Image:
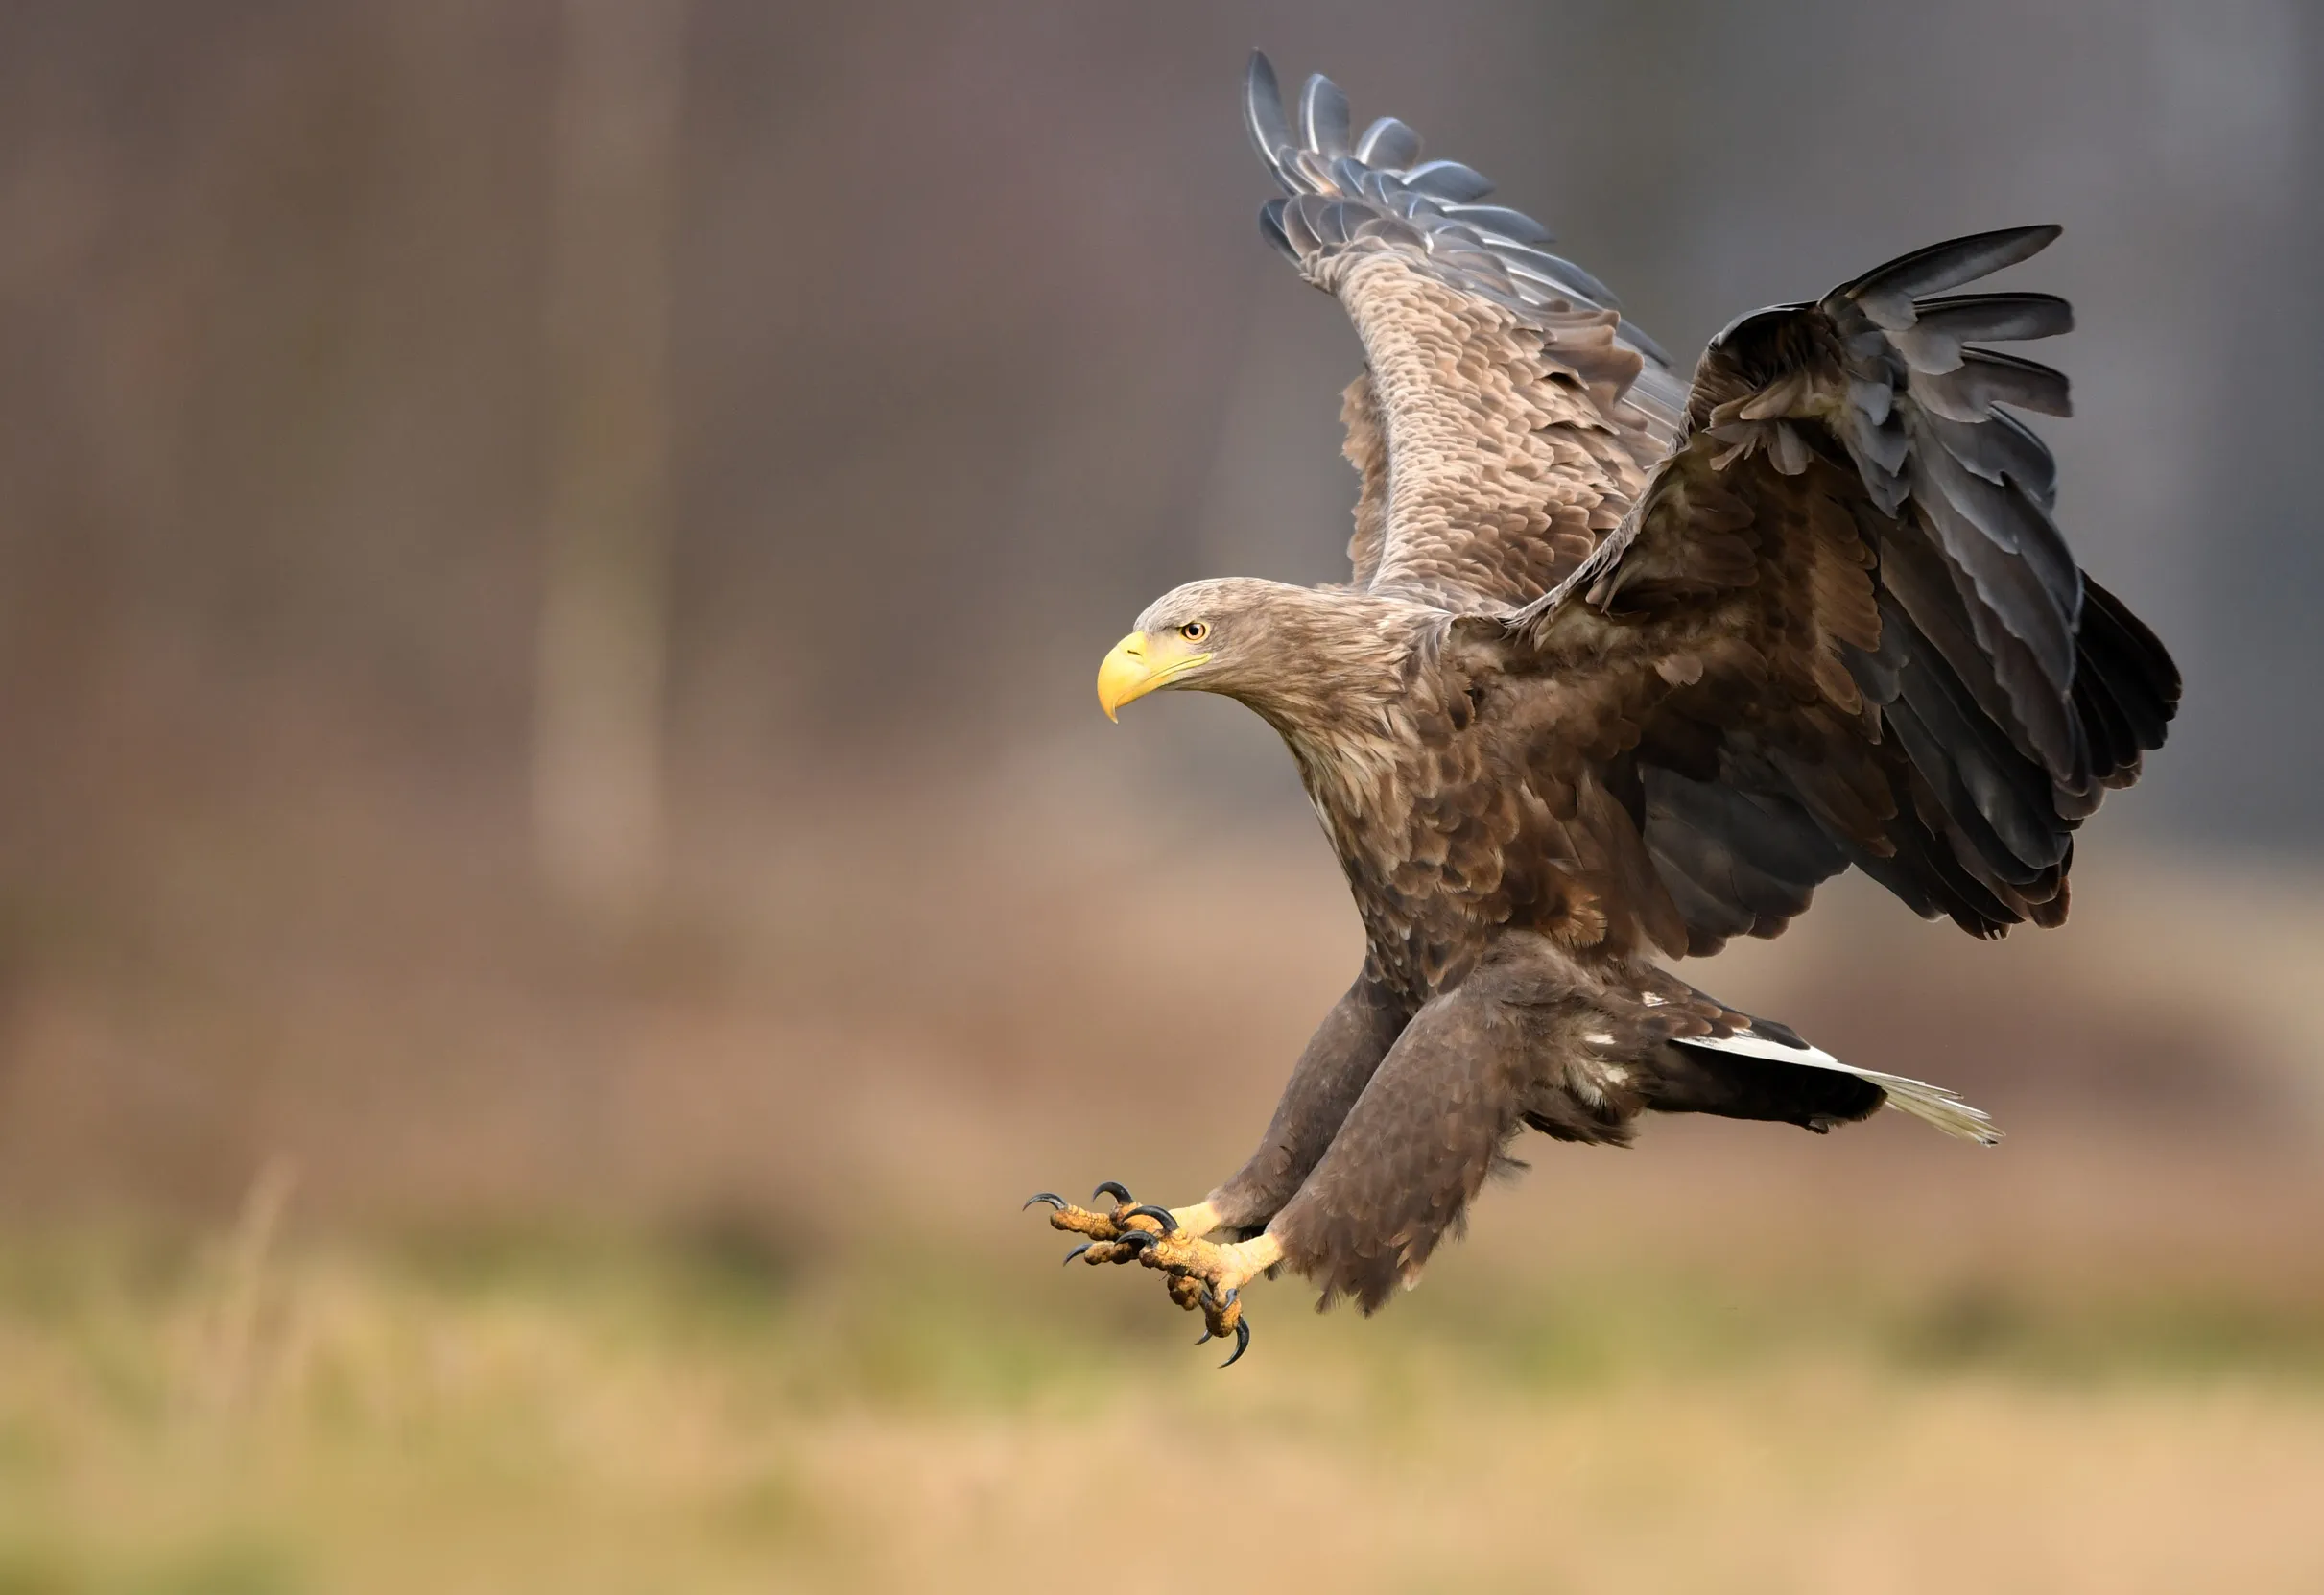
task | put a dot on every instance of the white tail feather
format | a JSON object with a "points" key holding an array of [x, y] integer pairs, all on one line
{"points": [[1930, 1104]]}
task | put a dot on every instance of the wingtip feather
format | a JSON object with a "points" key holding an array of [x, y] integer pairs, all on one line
{"points": [[1263, 111]]}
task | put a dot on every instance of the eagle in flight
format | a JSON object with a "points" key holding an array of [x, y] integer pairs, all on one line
{"points": [[1627, 665]]}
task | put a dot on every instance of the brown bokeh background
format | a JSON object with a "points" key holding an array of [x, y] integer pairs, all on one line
{"points": [[551, 558]]}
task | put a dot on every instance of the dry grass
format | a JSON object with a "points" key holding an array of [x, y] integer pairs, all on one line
{"points": [[689, 1412]]}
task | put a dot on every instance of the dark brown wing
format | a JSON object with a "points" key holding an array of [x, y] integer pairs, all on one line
{"points": [[1506, 413], [1840, 627]]}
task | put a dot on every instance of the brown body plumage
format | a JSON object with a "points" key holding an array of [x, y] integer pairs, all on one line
{"points": [[1626, 668]]}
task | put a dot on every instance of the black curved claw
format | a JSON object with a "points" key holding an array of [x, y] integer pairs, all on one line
{"points": [[1204, 1340], [1161, 1215], [1113, 1188], [1137, 1239], [1078, 1251], [1243, 1342], [1051, 1197]]}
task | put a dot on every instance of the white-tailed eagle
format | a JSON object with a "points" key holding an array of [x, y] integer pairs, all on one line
{"points": [[1629, 665]]}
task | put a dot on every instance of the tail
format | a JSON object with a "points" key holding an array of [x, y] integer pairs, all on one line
{"points": [[1776, 1044]]}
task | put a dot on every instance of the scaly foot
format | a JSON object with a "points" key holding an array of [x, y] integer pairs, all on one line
{"points": [[1202, 1278], [1209, 1278], [1126, 1217]]}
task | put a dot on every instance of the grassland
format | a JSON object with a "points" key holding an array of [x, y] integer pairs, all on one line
{"points": [[694, 1412]]}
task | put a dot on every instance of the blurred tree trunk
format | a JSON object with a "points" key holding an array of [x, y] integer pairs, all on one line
{"points": [[599, 704]]}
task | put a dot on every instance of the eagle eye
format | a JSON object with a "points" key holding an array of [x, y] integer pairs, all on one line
{"points": [[1195, 631]]}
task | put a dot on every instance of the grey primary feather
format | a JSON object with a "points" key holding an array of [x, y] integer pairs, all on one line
{"points": [[2009, 602], [2012, 519], [1439, 196], [2000, 449], [1270, 228], [1997, 671], [2006, 317], [1992, 858], [1559, 274], [1510, 226], [1886, 292], [1448, 180], [1263, 116], [1985, 379], [1298, 226], [1323, 123], [2123, 661], [1388, 143], [2013, 792]]}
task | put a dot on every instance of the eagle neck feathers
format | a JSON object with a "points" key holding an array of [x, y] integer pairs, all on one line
{"points": [[1357, 676]]}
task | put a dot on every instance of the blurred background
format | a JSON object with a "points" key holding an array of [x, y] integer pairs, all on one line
{"points": [[561, 875]]}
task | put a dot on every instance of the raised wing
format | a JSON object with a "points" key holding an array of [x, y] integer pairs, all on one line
{"points": [[1506, 413], [1840, 627]]}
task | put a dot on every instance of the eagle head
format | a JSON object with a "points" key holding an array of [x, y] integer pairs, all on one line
{"points": [[1225, 637], [1330, 668]]}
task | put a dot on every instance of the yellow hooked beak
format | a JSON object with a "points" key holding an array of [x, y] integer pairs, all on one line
{"points": [[1138, 665]]}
